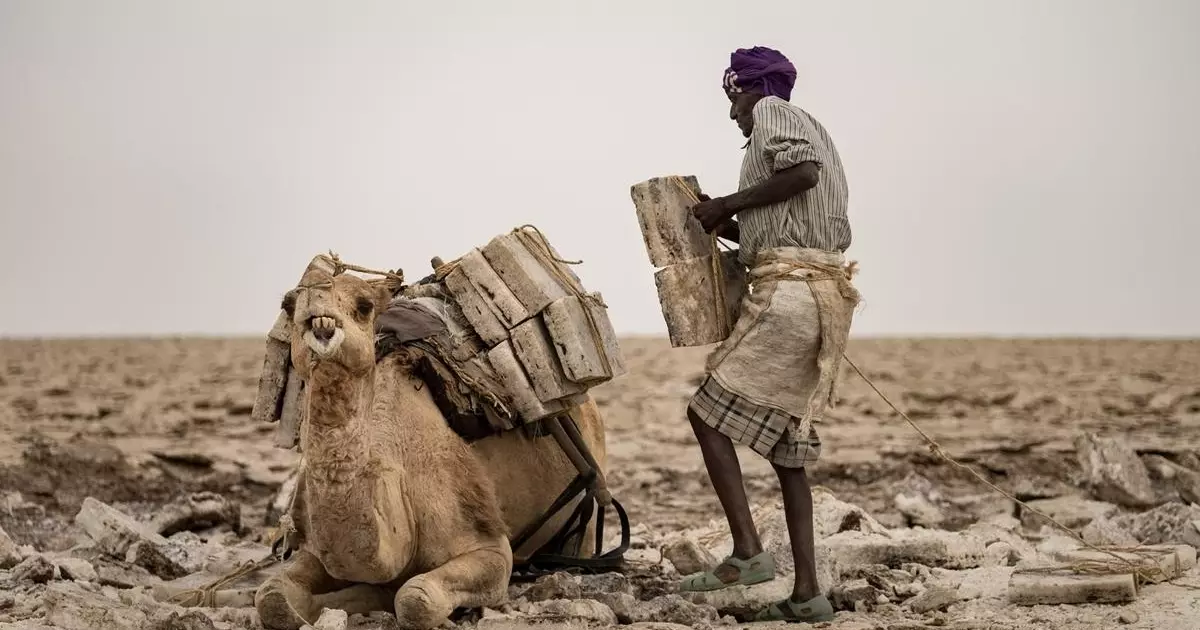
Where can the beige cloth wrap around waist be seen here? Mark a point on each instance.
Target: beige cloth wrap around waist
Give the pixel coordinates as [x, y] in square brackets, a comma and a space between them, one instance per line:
[786, 348]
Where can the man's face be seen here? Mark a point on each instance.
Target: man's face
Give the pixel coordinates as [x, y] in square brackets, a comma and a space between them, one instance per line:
[741, 108]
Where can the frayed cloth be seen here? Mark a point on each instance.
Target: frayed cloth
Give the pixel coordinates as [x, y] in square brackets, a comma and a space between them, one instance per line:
[785, 352]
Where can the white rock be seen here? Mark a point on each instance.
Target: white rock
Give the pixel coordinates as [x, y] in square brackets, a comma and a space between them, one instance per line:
[9, 554]
[70, 607]
[332, 620]
[113, 531]
[1113, 471]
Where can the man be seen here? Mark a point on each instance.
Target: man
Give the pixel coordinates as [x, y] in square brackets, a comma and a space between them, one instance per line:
[774, 376]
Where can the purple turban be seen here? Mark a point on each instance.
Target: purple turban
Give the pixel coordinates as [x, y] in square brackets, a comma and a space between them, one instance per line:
[760, 69]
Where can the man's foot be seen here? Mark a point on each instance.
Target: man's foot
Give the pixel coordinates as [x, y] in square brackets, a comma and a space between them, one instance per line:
[732, 572]
[814, 610]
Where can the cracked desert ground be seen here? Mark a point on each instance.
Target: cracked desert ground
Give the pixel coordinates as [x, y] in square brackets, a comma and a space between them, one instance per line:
[135, 423]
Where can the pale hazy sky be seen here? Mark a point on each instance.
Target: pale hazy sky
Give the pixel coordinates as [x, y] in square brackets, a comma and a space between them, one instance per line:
[1015, 167]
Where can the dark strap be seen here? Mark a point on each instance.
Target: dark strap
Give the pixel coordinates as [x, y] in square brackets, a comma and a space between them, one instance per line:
[612, 560]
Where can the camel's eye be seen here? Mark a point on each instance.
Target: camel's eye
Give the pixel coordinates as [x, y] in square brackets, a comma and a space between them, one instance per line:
[289, 303]
[364, 307]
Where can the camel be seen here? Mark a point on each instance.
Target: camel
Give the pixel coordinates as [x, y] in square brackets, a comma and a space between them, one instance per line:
[393, 510]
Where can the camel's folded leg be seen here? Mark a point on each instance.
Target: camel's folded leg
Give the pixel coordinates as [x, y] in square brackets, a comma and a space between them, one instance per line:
[472, 580]
[285, 601]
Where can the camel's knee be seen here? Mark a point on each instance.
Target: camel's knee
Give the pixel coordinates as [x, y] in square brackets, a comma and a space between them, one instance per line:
[282, 604]
[472, 580]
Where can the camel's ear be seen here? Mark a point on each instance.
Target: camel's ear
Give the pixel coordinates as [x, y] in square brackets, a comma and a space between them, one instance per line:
[382, 296]
[288, 304]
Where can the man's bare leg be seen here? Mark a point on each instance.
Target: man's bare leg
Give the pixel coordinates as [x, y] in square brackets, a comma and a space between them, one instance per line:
[798, 510]
[725, 473]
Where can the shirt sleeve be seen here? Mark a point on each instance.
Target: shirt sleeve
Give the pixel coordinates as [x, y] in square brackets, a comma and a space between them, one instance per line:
[787, 139]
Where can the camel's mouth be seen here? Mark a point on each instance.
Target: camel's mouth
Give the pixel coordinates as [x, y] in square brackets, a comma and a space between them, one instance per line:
[324, 336]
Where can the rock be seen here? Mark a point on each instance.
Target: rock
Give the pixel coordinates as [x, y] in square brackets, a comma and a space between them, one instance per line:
[832, 516]
[157, 559]
[1106, 532]
[35, 569]
[1128, 617]
[70, 607]
[584, 609]
[1032, 589]
[933, 548]
[1167, 524]
[688, 557]
[988, 583]
[332, 620]
[1185, 481]
[893, 583]
[592, 585]
[121, 575]
[673, 609]
[1113, 471]
[920, 502]
[623, 605]
[190, 620]
[9, 553]
[196, 512]
[536, 351]
[933, 599]
[554, 586]
[1001, 554]
[856, 595]
[1071, 512]
[76, 569]
[113, 531]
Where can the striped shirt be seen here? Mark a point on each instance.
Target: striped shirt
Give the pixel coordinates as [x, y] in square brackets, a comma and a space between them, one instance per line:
[785, 135]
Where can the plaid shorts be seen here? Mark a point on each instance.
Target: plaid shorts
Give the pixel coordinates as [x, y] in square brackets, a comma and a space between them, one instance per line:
[763, 429]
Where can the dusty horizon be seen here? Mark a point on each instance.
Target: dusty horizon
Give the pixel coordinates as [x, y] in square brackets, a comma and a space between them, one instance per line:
[1018, 169]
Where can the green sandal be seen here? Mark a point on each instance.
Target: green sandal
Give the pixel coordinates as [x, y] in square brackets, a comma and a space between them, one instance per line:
[815, 610]
[760, 568]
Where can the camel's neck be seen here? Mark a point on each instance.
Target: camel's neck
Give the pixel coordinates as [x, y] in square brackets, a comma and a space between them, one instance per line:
[337, 442]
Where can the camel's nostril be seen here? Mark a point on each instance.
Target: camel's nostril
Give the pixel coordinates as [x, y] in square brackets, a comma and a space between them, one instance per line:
[323, 334]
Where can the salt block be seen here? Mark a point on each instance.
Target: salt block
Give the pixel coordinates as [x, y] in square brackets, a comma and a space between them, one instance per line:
[282, 330]
[1166, 562]
[690, 303]
[1032, 589]
[535, 350]
[582, 359]
[277, 360]
[113, 531]
[476, 309]
[292, 412]
[528, 266]
[520, 390]
[672, 235]
[494, 289]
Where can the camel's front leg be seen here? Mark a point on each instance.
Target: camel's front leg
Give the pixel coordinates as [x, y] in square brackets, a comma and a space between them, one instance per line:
[285, 601]
[472, 580]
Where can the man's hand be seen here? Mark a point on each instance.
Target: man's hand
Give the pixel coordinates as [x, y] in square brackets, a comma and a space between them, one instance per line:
[711, 212]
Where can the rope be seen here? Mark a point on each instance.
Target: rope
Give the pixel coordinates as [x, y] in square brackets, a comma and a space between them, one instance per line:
[540, 249]
[341, 267]
[206, 596]
[1141, 571]
[718, 272]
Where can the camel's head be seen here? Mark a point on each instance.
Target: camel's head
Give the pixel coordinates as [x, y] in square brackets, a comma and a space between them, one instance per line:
[333, 320]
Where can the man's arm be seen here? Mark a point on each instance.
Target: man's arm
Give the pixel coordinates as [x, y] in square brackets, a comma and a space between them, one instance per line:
[730, 231]
[781, 186]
